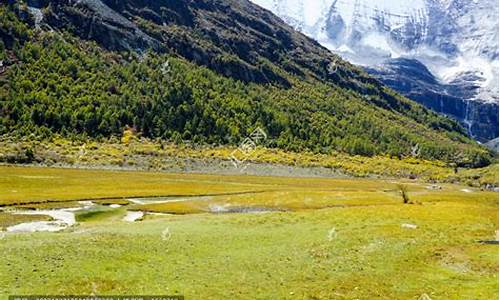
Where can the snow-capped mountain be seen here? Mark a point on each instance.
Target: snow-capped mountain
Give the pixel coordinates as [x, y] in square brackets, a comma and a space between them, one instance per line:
[456, 41]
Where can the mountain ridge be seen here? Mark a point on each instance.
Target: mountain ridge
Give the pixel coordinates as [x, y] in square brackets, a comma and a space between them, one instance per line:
[456, 41]
[273, 77]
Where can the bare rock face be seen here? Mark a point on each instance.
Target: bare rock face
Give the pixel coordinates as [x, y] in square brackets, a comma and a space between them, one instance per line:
[411, 78]
[493, 145]
[234, 38]
[93, 19]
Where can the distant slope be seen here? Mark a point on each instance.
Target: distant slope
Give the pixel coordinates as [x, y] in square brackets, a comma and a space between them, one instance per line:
[493, 145]
[455, 41]
[147, 70]
[412, 79]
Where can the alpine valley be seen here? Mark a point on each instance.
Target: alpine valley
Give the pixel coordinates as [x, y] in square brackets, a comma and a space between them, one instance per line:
[206, 149]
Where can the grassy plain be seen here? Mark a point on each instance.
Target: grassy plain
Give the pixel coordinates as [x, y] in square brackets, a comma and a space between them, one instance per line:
[144, 154]
[335, 239]
[9, 219]
[30, 185]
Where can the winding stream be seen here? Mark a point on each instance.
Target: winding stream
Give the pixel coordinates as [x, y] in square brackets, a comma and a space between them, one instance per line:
[63, 218]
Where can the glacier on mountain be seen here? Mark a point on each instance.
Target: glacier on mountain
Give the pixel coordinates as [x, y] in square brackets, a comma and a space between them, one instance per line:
[455, 40]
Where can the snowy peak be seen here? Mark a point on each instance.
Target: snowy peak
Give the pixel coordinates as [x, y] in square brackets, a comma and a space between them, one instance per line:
[455, 40]
[382, 25]
[301, 13]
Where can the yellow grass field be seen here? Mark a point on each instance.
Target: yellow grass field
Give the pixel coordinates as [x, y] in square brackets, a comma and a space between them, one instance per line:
[244, 237]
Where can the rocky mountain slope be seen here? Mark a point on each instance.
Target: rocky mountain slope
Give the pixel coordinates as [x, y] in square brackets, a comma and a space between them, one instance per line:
[204, 71]
[222, 35]
[453, 41]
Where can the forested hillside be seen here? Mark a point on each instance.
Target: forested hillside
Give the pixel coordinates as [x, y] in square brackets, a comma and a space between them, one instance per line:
[54, 82]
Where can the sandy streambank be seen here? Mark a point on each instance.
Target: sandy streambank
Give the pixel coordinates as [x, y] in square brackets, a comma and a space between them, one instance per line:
[63, 218]
[133, 216]
[160, 200]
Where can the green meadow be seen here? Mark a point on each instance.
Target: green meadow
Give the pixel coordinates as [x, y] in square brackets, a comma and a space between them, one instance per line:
[248, 237]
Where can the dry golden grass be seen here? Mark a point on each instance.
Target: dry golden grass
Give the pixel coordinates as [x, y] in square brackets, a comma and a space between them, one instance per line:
[21, 185]
[9, 219]
[339, 239]
[155, 155]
